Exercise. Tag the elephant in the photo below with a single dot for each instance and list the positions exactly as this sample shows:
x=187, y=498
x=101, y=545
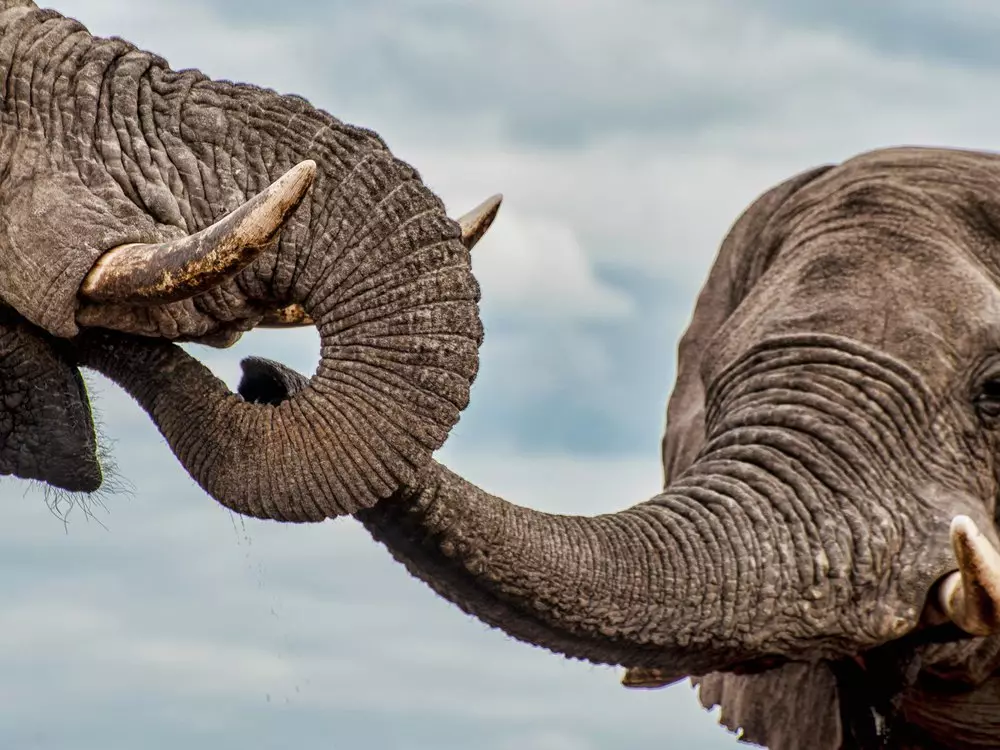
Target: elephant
x=822, y=558
x=165, y=205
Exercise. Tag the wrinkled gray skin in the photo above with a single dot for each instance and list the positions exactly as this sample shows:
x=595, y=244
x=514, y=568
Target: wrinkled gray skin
x=836, y=406
x=832, y=412
x=836, y=402
x=103, y=145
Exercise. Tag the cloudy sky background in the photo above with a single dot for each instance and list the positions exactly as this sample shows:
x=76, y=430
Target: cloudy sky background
x=626, y=137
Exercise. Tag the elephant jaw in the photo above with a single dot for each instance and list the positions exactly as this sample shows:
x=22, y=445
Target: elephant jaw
x=46, y=428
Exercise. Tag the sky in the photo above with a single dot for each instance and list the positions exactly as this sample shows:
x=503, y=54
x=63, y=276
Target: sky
x=626, y=138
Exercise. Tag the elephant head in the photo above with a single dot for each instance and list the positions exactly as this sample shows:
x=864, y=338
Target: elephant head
x=166, y=205
x=823, y=555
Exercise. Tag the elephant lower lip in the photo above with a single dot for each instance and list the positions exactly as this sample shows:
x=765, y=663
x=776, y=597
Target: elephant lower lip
x=89, y=477
x=46, y=428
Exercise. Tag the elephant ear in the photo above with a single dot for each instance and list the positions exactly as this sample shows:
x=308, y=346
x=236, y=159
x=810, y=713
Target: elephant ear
x=46, y=428
x=53, y=229
x=770, y=707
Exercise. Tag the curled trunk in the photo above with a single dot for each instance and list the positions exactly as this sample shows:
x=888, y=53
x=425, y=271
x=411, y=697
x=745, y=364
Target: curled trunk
x=370, y=257
x=390, y=385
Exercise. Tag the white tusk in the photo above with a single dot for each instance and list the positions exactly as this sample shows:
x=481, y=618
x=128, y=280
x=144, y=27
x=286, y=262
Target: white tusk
x=475, y=223
x=292, y=316
x=142, y=274
x=970, y=596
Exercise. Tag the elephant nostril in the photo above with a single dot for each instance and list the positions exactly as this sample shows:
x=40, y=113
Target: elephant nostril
x=267, y=382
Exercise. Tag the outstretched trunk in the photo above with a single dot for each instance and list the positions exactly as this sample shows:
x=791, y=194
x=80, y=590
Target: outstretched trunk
x=114, y=148
x=700, y=578
x=725, y=570
x=787, y=539
x=791, y=536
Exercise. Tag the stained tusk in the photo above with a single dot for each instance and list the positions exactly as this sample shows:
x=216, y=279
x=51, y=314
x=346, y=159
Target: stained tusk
x=647, y=677
x=970, y=597
x=475, y=223
x=154, y=274
x=291, y=316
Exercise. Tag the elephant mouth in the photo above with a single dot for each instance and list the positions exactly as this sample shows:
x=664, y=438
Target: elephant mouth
x=46, y=426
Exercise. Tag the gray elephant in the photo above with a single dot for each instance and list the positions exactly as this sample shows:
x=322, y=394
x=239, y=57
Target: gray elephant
x=822, y=558
x=162, y=204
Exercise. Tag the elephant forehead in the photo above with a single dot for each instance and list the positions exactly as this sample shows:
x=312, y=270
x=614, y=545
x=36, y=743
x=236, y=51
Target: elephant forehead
x=930, y=306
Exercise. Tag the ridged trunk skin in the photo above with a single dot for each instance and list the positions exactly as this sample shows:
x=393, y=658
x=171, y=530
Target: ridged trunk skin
x=106, y=145
x=771, y=546
x=750, y=558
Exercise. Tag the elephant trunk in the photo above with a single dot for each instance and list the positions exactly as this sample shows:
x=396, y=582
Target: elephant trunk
x=803, y=530
x=707, y=576
x=158, y=202
x=764, y=550
x=379, y=267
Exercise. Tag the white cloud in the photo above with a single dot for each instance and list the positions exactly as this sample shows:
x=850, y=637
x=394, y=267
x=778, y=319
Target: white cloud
x=535, y=267
x=538, y=366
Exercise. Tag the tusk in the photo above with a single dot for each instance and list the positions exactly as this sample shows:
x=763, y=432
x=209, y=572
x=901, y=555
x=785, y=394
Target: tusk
x=646, y=677
x=287, y=317
x=970, y=597
x=154, y=274
x=475, y=223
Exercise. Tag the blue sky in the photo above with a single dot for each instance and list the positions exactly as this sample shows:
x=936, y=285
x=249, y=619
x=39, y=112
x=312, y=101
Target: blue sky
x=626, y=137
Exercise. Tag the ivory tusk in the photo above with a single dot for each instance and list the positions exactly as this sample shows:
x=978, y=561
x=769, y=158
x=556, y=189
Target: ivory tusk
x=292, y=316
x=475, y=223
x=970, y=596
x=154, y=274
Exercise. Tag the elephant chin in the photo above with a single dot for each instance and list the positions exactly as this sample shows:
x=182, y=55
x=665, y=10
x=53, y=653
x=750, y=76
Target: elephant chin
x=46, y=427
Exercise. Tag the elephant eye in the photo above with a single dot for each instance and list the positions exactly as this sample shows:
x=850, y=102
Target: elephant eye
x=988, y=400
